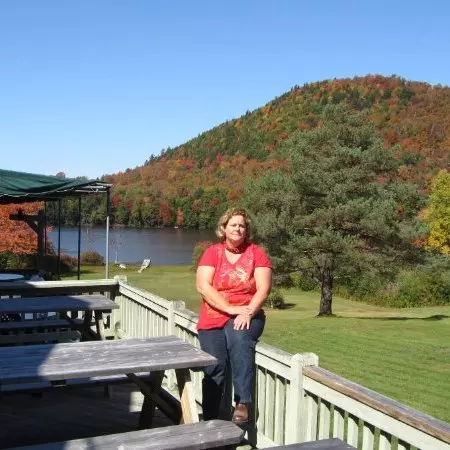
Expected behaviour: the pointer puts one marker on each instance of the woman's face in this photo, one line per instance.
(235, 230)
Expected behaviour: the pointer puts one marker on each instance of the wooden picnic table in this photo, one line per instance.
(91, 305)
(58, 363)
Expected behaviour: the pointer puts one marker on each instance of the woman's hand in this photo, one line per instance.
(239, 310)
(242, 322)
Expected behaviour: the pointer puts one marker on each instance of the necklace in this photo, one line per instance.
(236, 250)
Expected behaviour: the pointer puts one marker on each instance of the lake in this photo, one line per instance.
(164, 246)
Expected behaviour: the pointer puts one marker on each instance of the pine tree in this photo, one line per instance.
(337, 214)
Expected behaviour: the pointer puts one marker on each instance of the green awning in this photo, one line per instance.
(21, 187)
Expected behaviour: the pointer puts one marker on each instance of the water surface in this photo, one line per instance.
(165, 246)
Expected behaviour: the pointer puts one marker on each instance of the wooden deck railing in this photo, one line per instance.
(296, 399)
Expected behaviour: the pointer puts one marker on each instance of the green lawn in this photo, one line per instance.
(401, 353)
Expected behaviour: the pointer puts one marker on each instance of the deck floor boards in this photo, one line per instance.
(62, 414)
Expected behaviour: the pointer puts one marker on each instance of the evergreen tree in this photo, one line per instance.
(338, 214)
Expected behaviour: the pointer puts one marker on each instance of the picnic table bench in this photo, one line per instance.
(57, 364)
(93, 306)
(197, 436)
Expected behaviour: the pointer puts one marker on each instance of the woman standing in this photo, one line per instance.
(234, 279)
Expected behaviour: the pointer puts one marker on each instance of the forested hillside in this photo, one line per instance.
(188, 185)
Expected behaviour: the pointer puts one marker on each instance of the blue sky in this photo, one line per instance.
(90, 87)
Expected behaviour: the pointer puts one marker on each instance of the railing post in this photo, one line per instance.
(116, 314)
(171, 324)
(171, 329)
(171, 318)
(296, 425)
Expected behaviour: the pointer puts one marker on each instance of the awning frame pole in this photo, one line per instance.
(107, 235)
(79, 237)
(58, 266)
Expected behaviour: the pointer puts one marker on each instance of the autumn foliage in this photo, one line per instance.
(437, 214)
(190, 185)
(16, 236)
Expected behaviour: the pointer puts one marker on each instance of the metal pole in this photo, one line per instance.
(58, 264)
(107, 236)
(45, 227)
(79, 236)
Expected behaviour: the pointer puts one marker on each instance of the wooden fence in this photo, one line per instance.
(296, 400)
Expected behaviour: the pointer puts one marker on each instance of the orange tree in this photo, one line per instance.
(16, 236)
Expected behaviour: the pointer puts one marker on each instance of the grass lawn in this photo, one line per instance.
(401, 353)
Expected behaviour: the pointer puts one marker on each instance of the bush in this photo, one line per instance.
(363, 287)
(199, 249)
(275, 299)
(17, 261)
(425, 285)
(422, 288)
(26, 263)
(4, 257)
(281, 279)
(303, 282)
(67, 262)
(91, 259)
(21, 261)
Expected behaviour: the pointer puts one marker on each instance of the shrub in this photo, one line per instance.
(303, 282)
(67, 262)
(4, 257)
(199, 249)
(9, 260)
(21, 261)
(281, 279)
(363, 287)
(91, 259)
(422, 288)
(275, 299)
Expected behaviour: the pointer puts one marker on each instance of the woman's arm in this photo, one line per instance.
(263, 279)
(205, 275)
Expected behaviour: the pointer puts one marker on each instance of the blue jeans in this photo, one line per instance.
(233, 347)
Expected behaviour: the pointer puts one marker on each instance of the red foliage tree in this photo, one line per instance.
(16, 236)
(165, 213)
(180, 217)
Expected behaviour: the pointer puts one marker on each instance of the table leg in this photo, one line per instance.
(187, 396)
(153, 386)
(99, 325)
(100, 328)
(87, 332)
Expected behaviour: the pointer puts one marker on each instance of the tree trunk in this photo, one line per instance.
(326, 296)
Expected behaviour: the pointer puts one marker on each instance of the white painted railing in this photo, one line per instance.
(339, 408)
(296, 400)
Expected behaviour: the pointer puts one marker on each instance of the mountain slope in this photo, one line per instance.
(187, 184)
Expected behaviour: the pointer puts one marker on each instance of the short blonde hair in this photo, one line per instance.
(224, 219)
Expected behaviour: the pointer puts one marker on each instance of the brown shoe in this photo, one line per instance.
(240, 413)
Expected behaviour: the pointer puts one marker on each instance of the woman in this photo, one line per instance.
(234, 279)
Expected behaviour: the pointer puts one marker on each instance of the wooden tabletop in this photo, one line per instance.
(5, 277)
(58, 362)
(60, 303)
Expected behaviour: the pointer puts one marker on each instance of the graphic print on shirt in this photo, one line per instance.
(234, 281)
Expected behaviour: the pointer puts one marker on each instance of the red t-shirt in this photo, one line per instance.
(236, 282)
